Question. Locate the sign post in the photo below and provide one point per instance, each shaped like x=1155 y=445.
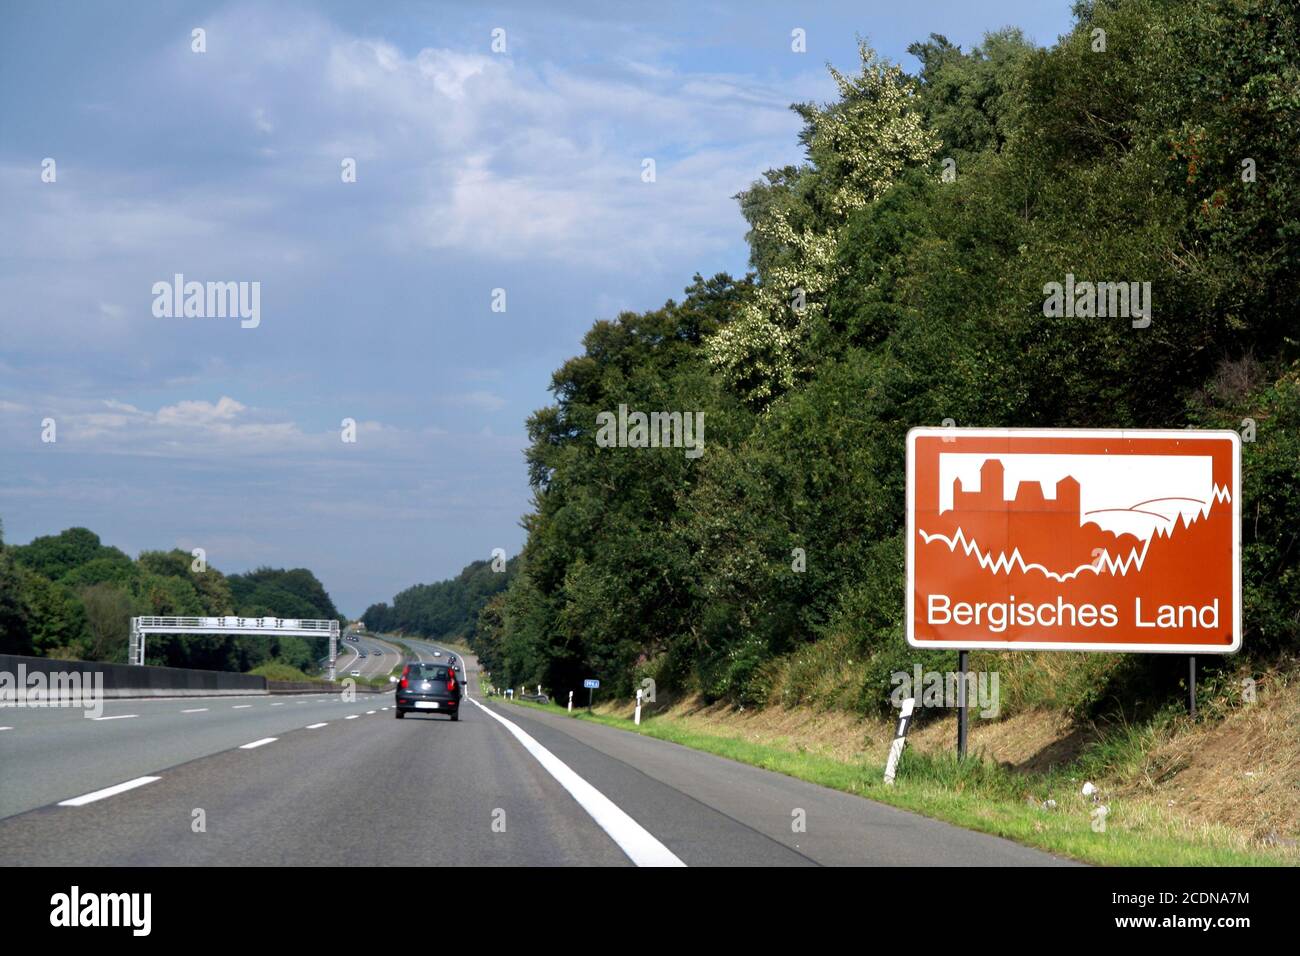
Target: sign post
x=591 y=684
x=963 y=713
x=1110 y=541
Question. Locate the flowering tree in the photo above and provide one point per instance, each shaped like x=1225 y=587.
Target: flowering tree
x=857 y=147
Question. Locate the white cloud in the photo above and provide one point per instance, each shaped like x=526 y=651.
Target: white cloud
x=200 y=413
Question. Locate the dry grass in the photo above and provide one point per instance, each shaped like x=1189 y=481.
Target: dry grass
x=1240 y=772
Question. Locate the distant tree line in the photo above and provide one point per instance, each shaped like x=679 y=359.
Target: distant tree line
x=70 y=596
x=899 y=278
x=445 y=610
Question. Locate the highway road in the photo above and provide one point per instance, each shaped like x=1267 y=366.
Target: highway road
x=319 y=780
x=381 y=657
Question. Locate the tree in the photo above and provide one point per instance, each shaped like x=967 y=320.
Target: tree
x=857 y=148
x=108 y=621
x=15 y=638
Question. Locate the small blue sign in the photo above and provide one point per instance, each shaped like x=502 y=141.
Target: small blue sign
x=589 y=682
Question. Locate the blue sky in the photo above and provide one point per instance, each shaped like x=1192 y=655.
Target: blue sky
x=476 y=170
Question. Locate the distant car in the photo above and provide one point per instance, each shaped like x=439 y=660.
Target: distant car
x=427 y=687
x=437 y=653
x=356 y=673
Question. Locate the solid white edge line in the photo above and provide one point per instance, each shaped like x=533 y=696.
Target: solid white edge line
x=315 y=726
x=107 y=792
x=259 y=743
x=633 y=839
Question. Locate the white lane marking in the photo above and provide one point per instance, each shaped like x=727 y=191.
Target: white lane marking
x=195 y=710
x=241 y=706
x=86 y=798
x=633 y=839
x=10 y=728
x=280 y=704
x=351 y=716
x=315 y=726
x=259 y=743
x=115 y=717
x=370 y=712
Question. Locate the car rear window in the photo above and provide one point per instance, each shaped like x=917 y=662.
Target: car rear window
x=427 y=672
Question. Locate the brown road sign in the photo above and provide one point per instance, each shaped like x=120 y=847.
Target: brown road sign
x=1076 y=540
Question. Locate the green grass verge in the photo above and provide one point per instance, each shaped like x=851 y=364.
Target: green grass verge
x=276 y=670
x=981 y=795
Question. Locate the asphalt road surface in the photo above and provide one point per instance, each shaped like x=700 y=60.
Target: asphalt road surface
x=381 y=657
x=321 y=780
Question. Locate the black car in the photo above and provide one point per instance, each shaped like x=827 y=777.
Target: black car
x=428 y=688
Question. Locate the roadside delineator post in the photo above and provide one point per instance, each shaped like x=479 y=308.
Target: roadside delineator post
x=638 y=707
x=963 y=715
x=900 y=738
x=570 y=701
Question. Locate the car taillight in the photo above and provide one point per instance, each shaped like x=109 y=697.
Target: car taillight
x=451 y=683
x=406 y=670
x=402 y=683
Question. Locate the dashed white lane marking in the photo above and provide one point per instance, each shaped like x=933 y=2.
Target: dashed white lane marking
x=240 y=706
x=107 y=792
x=316 y=726
x=351 y=716
x=370 y=712
x=259 y=743
x=279 y=704
x=195 y=710
x=633 y=839
x=116 y=717
x=6 y=728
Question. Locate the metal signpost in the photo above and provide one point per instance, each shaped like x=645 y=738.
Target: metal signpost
x=591 y=684
x=263 y=626
x=1073 y=540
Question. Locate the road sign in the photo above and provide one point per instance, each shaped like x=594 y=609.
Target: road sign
x=589 y=682
x=1060 y=539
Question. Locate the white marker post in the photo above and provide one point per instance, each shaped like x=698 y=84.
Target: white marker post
x=900 y=738
x=570 y=701
x=638 y=707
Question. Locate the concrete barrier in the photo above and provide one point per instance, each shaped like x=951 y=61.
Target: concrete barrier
x=126 y=680
x=317 y=686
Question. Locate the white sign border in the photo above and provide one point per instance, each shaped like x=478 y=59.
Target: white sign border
x=1118 y=434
